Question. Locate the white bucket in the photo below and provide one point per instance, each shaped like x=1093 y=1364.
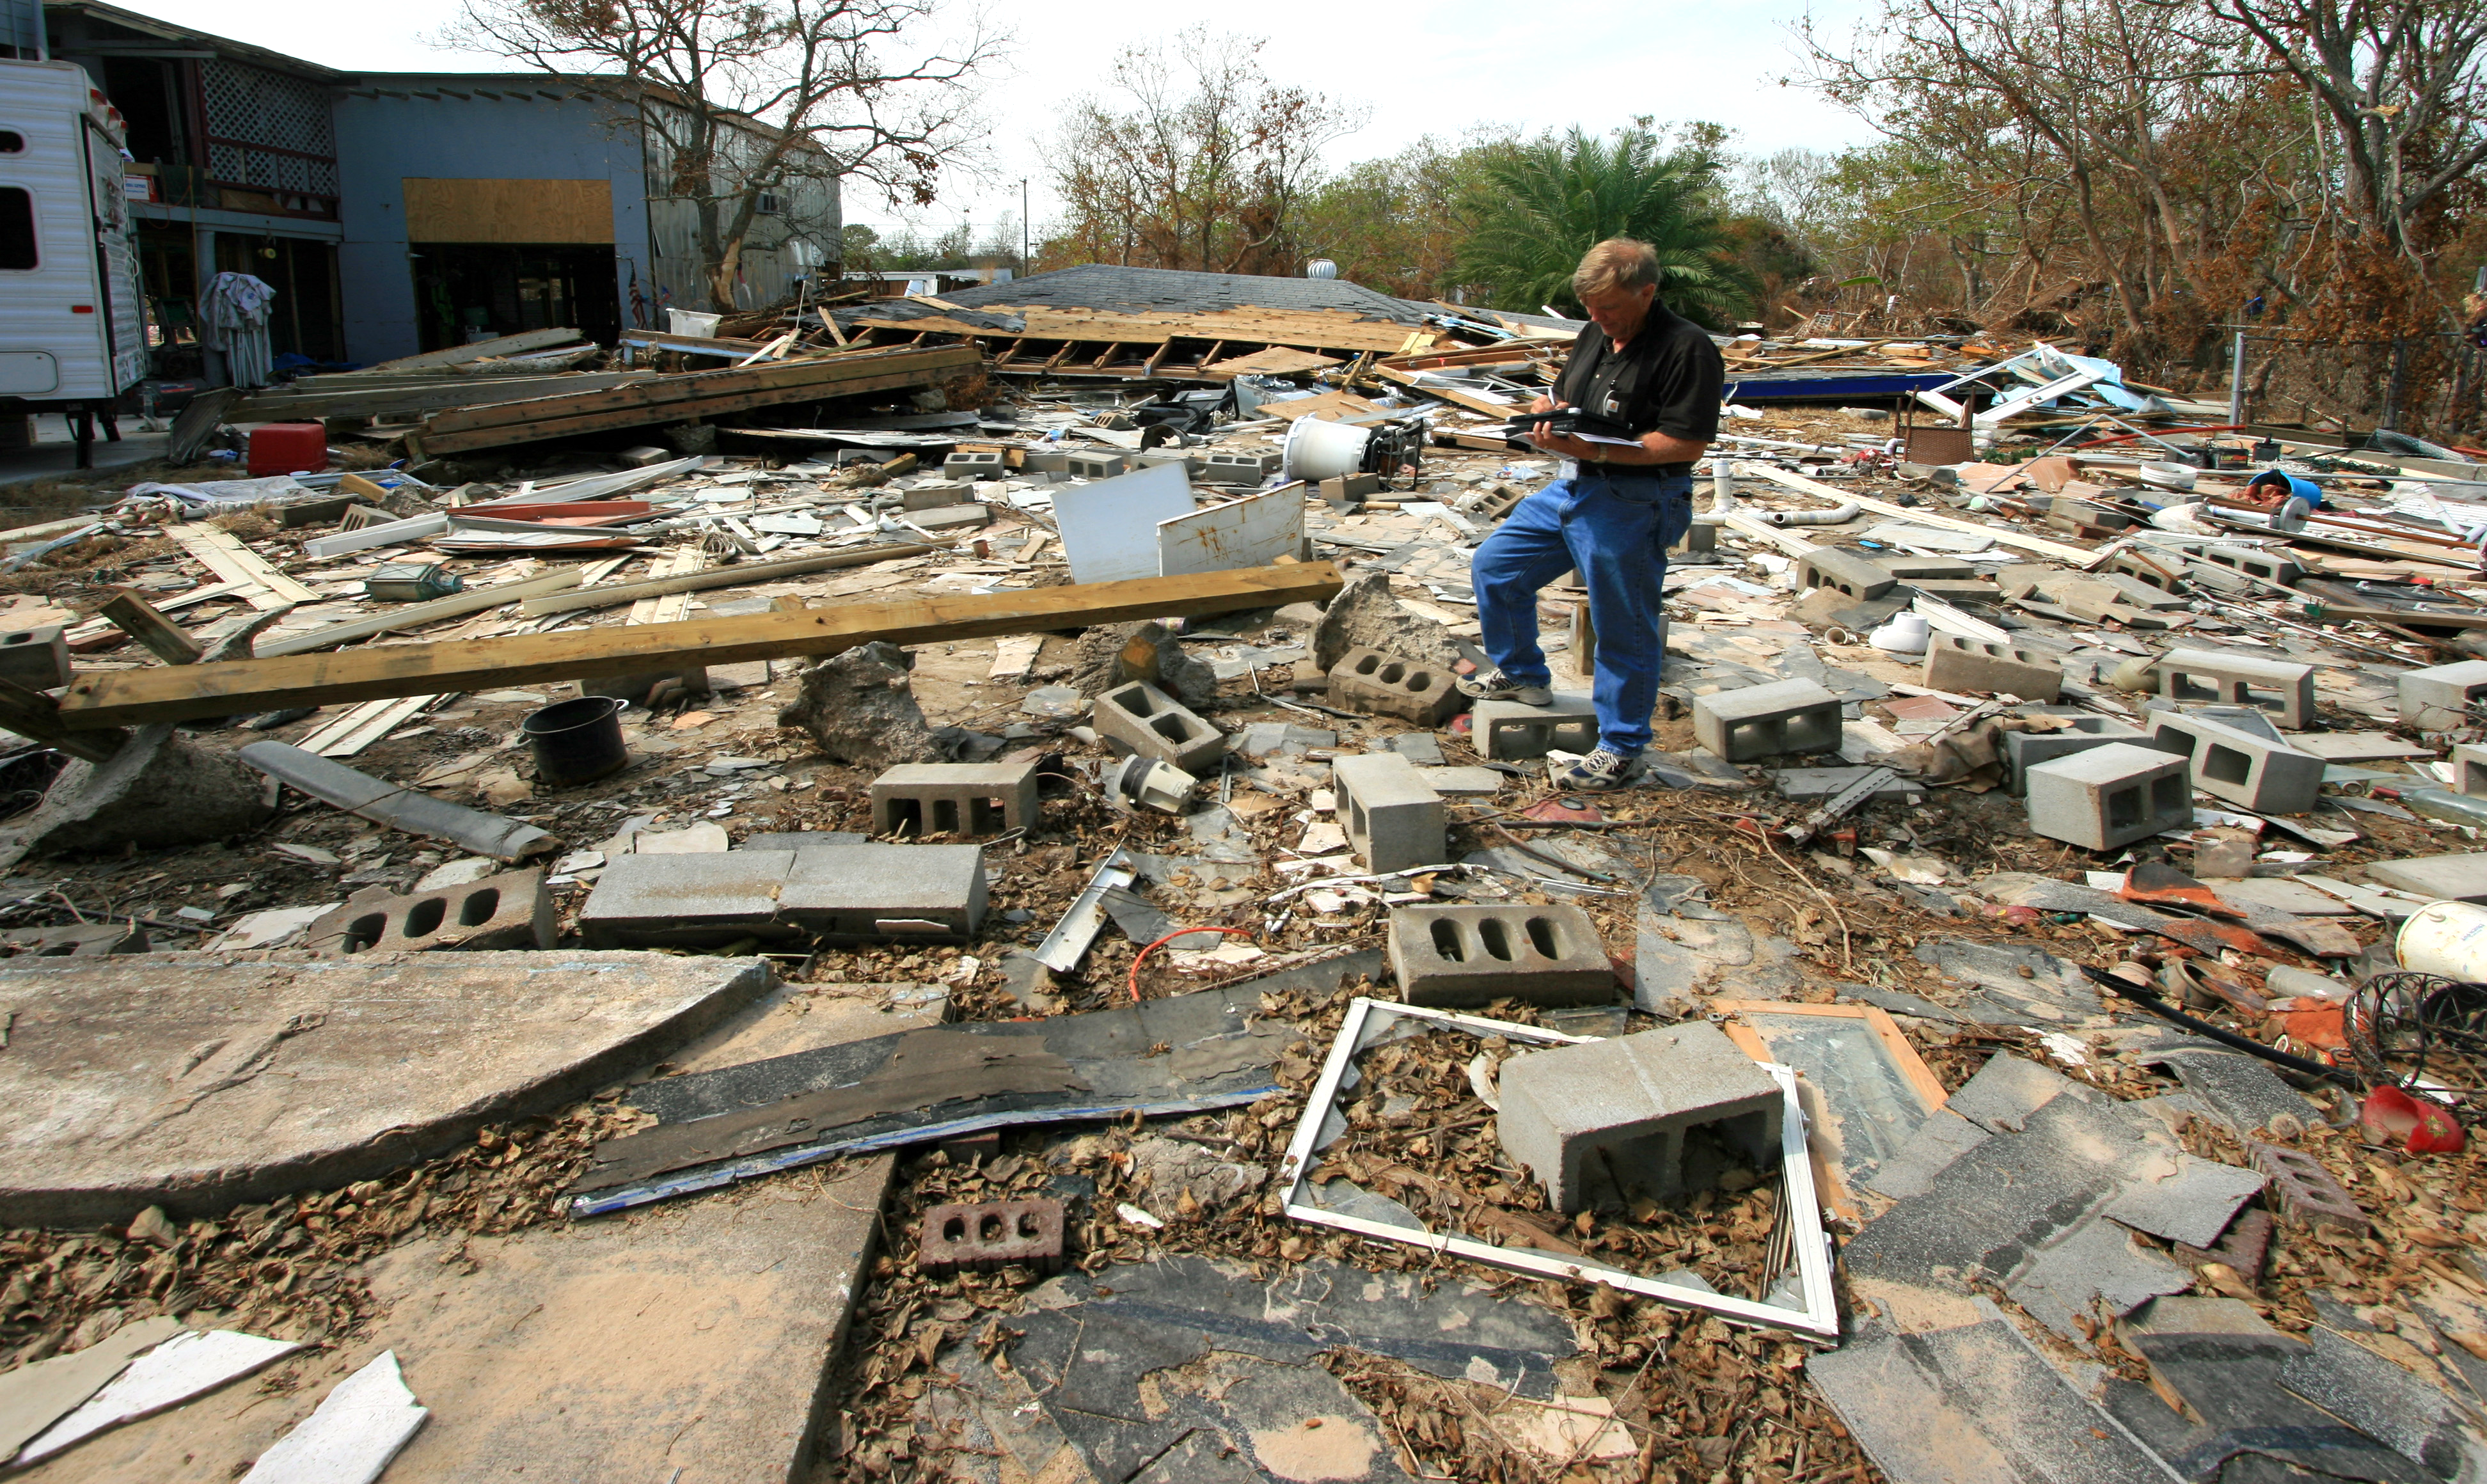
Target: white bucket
x=2447 y=938
x=1318 y=449
x=1904 y=635
x=689 y=322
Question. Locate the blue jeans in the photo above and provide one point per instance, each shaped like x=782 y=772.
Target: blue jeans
x=1615 y=532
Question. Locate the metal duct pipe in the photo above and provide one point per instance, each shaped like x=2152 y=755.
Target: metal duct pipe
x=1841 y=515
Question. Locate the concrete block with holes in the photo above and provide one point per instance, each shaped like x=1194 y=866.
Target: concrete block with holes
x=1956 y=663
x=37 y=658
x=2231 y=762
x=2281 y=687
x=1844 y=571
x=2024 y=750
x=1475 y=955
x=1388 y=686
x=2111 y=795
x=1232 y=468
x=954 y=798
x=1759 y=721
x=2252 y=562
x=991 y=1235
x=2469 y=763
x=512 y=910
x=1662 y=1110
x=1391 y=817
x=1095 y=465
x=1506 y=731
x=2440 y=699
x=973 y=464
x=1140 y=719
x=936 y=494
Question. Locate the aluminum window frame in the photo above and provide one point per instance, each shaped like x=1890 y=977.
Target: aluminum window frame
x=1366 y=1022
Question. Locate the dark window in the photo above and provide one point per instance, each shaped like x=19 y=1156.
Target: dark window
x=17 y=228
x=12 y=142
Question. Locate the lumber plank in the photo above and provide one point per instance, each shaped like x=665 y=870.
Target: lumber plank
x=483 y=350
x=113 y=698
x=33 y=715
x=701 y=385
x=1451 y=394
x=738 y=576
x=416 y=615
x=145 y=623
x=433 y=395
x=2074 y=556
x=222 y=552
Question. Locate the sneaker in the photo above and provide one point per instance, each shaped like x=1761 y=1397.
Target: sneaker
x=1494 y=685
x=1600 y=770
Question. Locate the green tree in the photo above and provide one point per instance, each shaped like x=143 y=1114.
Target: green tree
x=1554 y=197
x=1397 y=223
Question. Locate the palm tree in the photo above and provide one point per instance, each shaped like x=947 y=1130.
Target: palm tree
x=1548 y=201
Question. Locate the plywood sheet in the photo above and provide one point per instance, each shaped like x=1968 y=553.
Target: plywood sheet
x=491 y=211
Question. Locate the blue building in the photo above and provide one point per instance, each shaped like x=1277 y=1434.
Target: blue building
x=397 y=213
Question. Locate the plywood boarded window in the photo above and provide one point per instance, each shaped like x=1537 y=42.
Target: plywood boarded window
x=508 y=211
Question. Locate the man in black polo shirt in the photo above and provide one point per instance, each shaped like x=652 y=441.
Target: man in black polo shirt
x=1612 y=513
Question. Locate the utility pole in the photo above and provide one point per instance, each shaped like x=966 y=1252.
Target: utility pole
x=2237 y=380
x=1023 y=263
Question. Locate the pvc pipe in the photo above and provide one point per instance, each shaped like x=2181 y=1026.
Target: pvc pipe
x=1839 y=516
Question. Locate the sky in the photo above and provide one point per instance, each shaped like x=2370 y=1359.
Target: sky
x=1422 y=67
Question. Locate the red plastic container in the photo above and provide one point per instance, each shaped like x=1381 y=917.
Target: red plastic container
x=288 y=448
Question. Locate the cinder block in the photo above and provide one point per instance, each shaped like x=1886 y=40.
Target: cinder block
x=1391 y=818
x=2284 y=687
x=2233 y=763
x=933 y=493
x=1844 y=571
x=2110 y=796
x=1147 y=721
x=37 y=658
x=2166 y=576
x=944 y=517
x=1238 y=468
x=1094 y=466
x=1957 y=663
x=1506 y=731
x=2309 y=1195
x=512 y=910
x=996 y=1234
x=2278 y=570
x=1044 y=460
x=700 y=900
x=1474 y=955
x=955 y=799
x=973 y=465
x=2439 y=699
x=1388 y=686
x=1348 y=491
x=2024 y=750
x=2140 y=593
x=1572 y=1113
x=1759 y=721
x=858 y=893
x=2469 y=769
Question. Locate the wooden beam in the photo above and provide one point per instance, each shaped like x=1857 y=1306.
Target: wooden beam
x=1451 y=394
x=112 y=698
x=33 y=715
x=558 y=417
x=483 y=350
x=142 y=620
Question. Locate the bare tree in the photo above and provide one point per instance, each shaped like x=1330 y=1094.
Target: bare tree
x=740 y=102
x=1205 y=166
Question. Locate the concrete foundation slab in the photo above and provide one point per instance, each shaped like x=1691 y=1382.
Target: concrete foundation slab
x=2461 y=878
x=199 y=1082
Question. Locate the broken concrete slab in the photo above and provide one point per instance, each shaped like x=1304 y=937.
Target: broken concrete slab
x=198 y=1082
x=859 y=706
x=611 y=1347
x=158 y=791
x=1114 y=655
x=1365 y=615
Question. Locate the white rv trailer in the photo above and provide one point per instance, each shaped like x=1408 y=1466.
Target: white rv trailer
x=73 y=315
